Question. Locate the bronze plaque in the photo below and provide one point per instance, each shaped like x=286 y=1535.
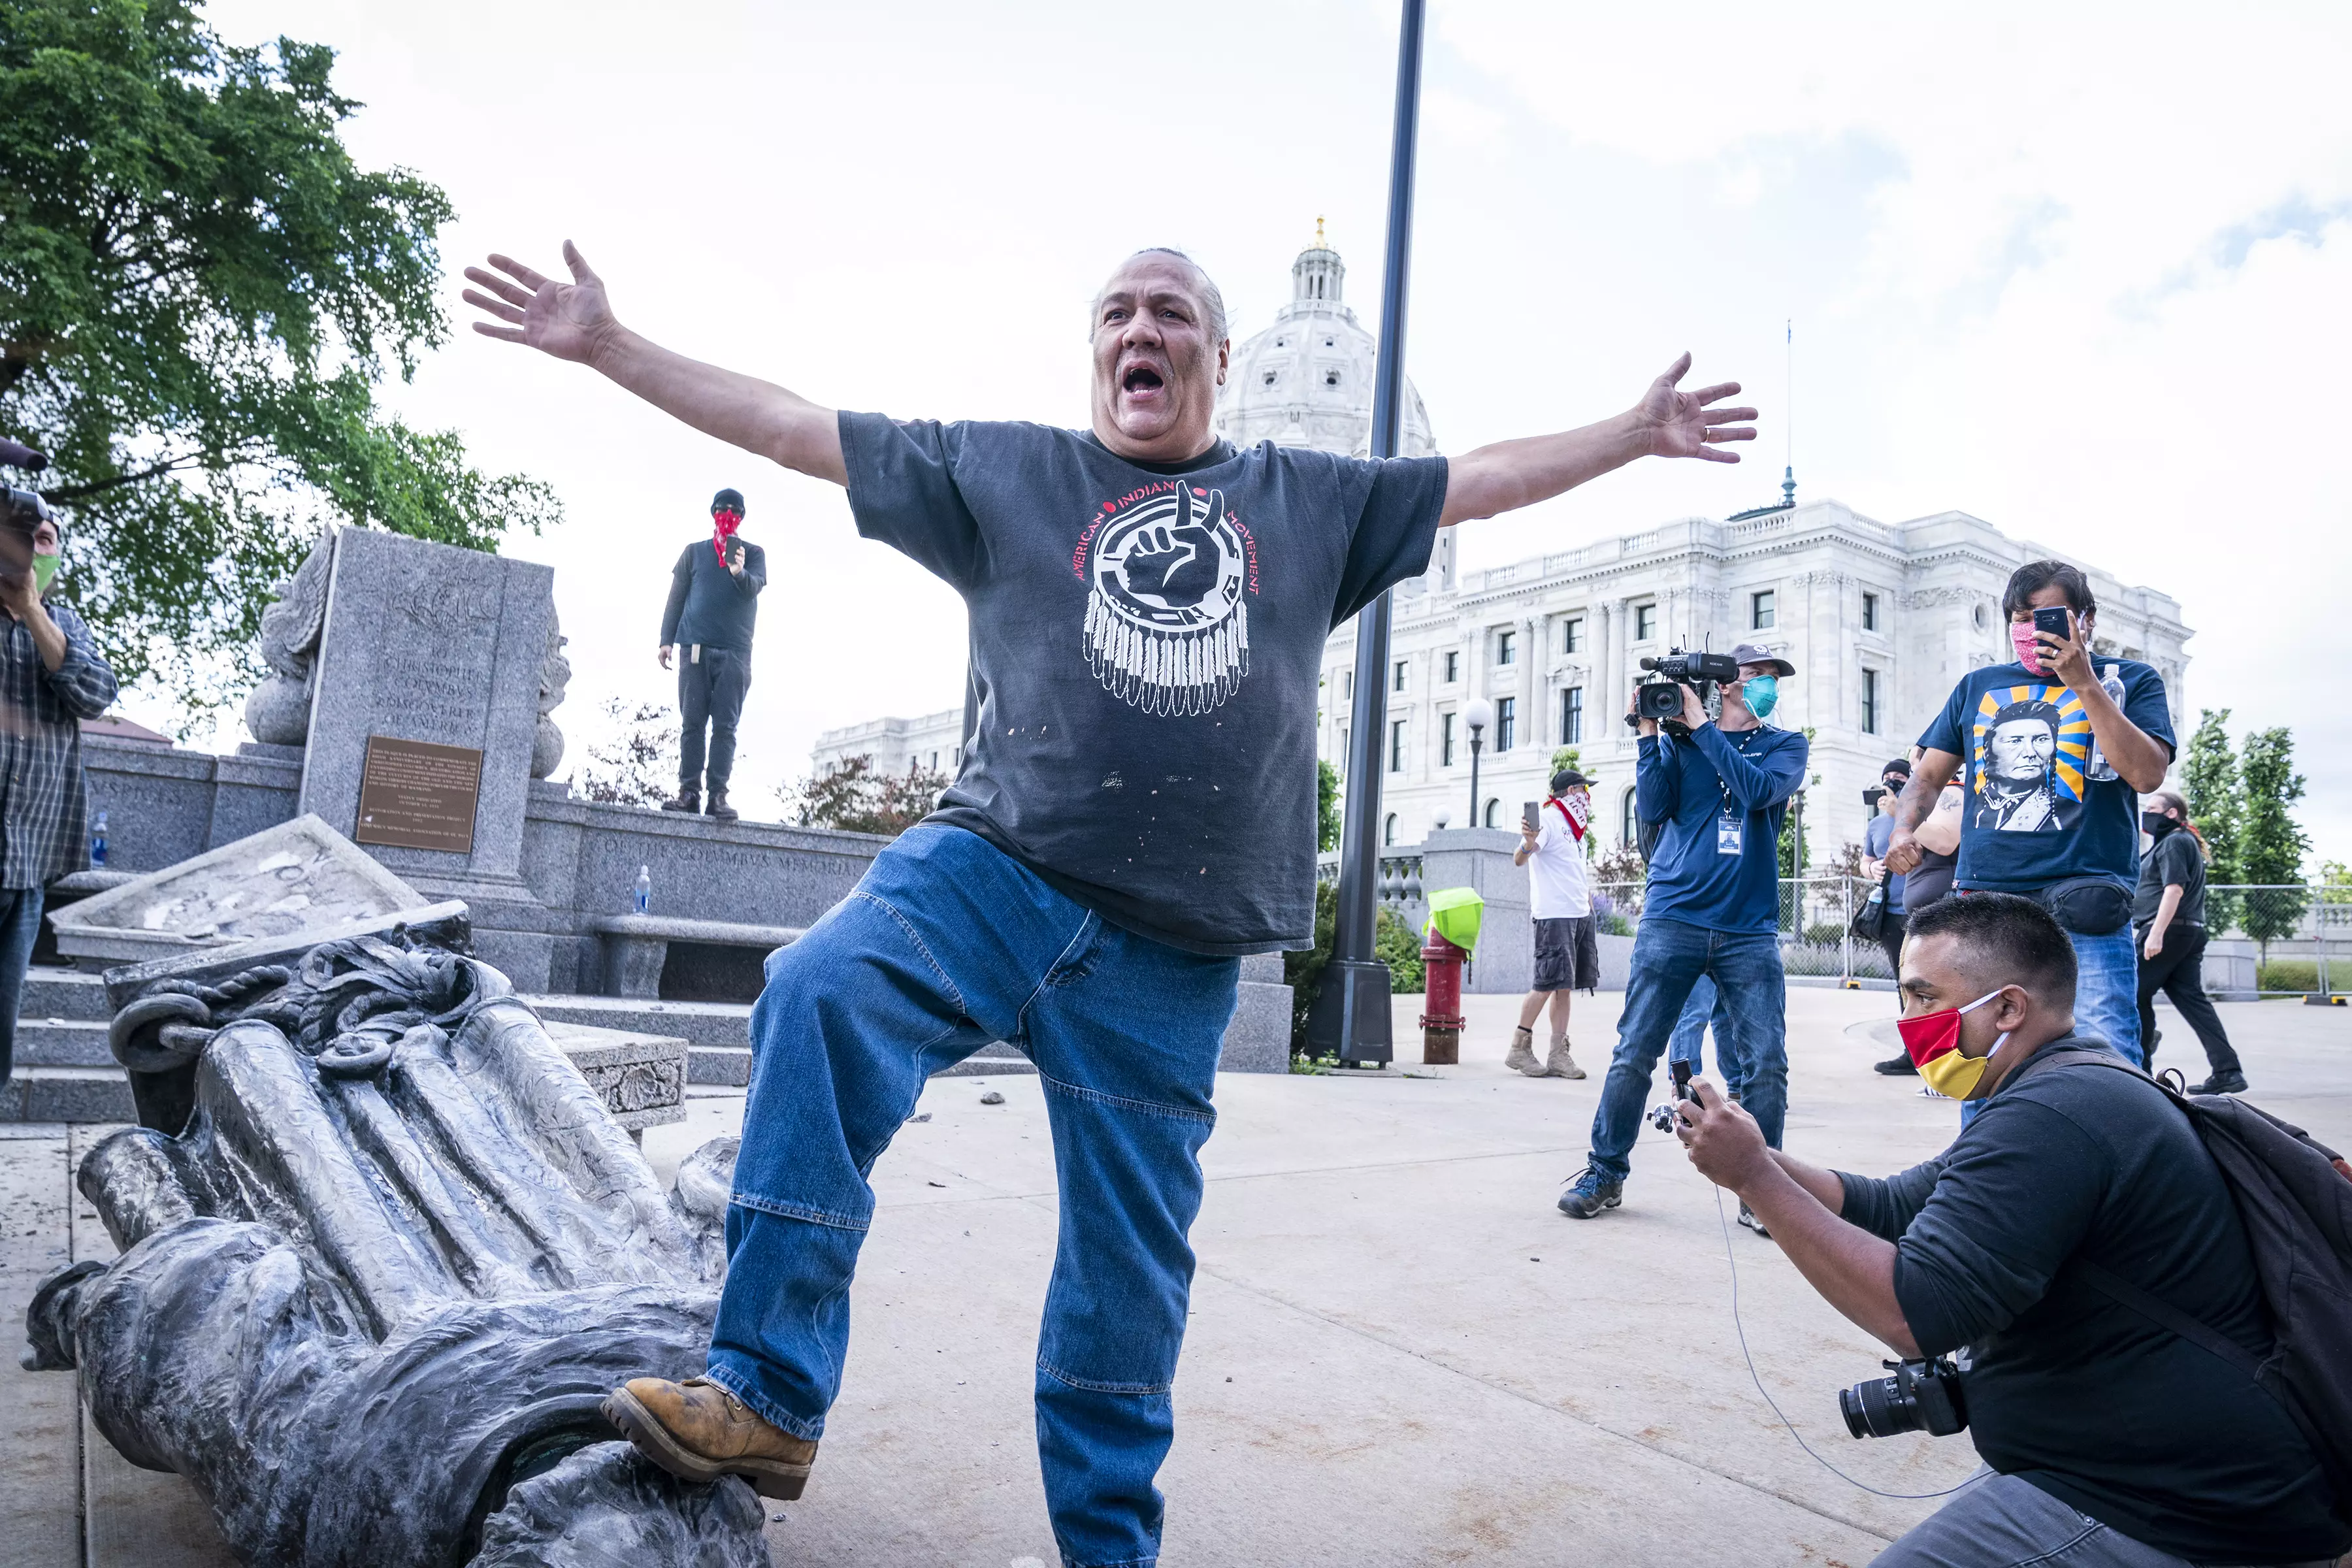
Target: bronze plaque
x=418 y=795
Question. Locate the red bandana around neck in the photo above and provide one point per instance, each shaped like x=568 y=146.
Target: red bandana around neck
x=724 y=525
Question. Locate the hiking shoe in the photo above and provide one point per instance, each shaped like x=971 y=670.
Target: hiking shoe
x=1559 y=1064
x=1896 y=1067
x=1522 y=1055
x=2220 y=1083
x=719 y=808
x=1748 y=1217
x=698 y=1432
x=688 y=800
x=1590 y=1192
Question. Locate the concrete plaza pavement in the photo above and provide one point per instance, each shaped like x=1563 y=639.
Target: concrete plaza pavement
x=1401 y=1352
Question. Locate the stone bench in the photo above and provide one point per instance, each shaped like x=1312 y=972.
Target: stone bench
x=637 y=950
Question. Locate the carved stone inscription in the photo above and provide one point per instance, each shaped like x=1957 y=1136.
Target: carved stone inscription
x=418 y=795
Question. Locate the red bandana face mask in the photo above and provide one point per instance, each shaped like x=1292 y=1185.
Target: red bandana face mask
x=1575 y=810
x=724 y=525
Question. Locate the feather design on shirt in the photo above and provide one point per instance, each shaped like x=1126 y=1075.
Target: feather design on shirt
x=1166 y=627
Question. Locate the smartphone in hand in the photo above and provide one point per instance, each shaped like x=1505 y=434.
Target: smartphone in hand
x=2057 y=622
x=1531 y=813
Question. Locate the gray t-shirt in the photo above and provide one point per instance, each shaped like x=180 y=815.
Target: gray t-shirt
x=2175 y=859
x=1147 y=645
x=1875 y=839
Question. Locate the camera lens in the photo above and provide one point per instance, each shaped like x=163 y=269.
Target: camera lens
x=1880 y=1408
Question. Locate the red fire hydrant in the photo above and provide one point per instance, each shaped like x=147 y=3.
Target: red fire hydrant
x=1441 y=1025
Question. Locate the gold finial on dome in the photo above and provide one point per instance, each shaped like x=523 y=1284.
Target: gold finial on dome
x=1318 y=235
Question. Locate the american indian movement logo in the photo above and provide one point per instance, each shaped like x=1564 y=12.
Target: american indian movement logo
x=1169 y=574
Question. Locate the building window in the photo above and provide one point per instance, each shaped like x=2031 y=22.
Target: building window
x=1759 y=610
x=1870 y=702
x=1571 y=715
x=1342 y=765
x=1347 y=685
x=1446 y=739
x=1572 y=634
x=1494 y=811
x=1506 y=715
x=1627 y=831
x=1453 y=668
x=1645 y=622
x=1331 y=378
x=1505 y=646
x=1388 y=829
x=1870 y=612
x=1396 y=745
x=1396 y=676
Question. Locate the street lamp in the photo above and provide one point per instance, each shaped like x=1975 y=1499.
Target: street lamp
x=1477 y=714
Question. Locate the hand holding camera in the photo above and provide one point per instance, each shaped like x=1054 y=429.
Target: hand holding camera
x=1677 y=698
x=1723 y=1140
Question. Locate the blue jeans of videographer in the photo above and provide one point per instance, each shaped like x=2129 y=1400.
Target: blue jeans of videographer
x=1689 y=1043
x=1669 y=958
x=945 y=945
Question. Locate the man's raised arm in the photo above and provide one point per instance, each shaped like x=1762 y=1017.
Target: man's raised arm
x=1666 y=423
x=575 y=321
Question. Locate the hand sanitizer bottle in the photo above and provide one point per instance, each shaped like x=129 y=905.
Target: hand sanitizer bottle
x=98 y=841
x=2111 y=681
x=642 y=898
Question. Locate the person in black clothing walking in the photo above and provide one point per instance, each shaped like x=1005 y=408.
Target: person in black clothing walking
x=714 y=596
x=2169 y=917
x=1939 y=855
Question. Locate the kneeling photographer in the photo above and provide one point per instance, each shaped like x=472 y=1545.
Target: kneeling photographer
x=2116 y=1442
x=1717 y=790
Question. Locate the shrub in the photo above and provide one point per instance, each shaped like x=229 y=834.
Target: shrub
x=1393 y=942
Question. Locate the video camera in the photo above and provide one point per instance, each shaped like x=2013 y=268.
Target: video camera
x=1922 y=1396
x=1661 y=701
x=21 y=511
x=1663 y=1117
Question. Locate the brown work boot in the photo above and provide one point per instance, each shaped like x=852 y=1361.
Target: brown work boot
x=689 y=799
x=698 y=1432
x=1522 y=1056
x=718 y=807
x=1560 y=1064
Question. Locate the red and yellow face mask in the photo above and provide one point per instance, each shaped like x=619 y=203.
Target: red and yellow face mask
x=1934 y=1041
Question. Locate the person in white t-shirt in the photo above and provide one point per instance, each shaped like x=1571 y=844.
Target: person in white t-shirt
x=1561 y=899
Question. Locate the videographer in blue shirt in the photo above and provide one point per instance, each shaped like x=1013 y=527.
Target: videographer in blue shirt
x=2058 y=748
x=1712 y=909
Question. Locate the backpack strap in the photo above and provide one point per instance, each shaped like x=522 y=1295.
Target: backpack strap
x=2147 y=1304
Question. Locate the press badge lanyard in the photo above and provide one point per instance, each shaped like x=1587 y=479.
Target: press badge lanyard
x=1731 y=827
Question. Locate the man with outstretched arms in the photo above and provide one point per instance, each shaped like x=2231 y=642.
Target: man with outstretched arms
x=1148 y=611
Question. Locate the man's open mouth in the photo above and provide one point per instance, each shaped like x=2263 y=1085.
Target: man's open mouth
x=1141 y=378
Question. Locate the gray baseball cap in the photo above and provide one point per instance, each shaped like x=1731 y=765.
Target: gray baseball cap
x=1757 y=653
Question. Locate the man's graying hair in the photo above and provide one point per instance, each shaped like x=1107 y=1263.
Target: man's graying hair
x=1209 y=297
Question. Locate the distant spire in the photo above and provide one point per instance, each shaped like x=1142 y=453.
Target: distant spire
x=1789 y=415
x=1318 y=233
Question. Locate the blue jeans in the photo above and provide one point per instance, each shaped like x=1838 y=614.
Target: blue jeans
x=1689 y=1043
x=2106 y=998
x=1669 y=957
x=946 y=944
x=20 y=927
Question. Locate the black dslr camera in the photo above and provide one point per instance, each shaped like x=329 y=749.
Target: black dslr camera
x=1922 y=1396
x=1663 y=1117
x=1661 y=701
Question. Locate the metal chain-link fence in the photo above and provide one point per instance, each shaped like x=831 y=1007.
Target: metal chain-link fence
x=2275 y=941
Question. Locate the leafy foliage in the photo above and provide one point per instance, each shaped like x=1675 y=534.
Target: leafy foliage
x=639 y=765
x=2208 y=776
x=1327 y=806
x=2271 y=843
x=854 y=796
x=1391 y=938
x=1564 y=757
x=199 y=292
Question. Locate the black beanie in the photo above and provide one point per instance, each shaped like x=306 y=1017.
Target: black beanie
x=729 y=501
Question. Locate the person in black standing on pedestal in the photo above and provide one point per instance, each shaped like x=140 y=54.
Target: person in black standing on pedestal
x=714 y=596
x=2169 y=917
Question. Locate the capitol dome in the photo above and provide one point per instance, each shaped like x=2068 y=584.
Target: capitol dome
x=1307 y=381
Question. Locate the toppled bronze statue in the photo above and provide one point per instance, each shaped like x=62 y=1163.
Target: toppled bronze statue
x=384 y=1253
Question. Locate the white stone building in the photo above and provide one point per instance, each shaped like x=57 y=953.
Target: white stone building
x=1879 y=619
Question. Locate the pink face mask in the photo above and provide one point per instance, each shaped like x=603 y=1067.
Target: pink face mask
x=2029 y=648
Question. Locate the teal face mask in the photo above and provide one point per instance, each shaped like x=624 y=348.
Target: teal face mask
x=1761 y=692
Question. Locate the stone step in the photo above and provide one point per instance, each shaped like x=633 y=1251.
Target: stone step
x=67 y=1094
x=719 y=1024
x=61 y=1043
x=730 y=1066
x=64 y=994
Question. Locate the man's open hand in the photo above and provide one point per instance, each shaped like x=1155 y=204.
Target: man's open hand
x=566 y=320
x=1723 y=1140
x=1681 y=424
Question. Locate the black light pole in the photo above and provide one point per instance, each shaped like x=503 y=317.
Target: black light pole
x=1351 y=1016
x=1479 y=714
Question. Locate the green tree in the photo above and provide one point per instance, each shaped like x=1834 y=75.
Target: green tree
x=1564 y=757
x=2209 y=777
x=1796 y=854
x=2271 y=843
x=1327 y=806
x=854 y=796
x=199 y=292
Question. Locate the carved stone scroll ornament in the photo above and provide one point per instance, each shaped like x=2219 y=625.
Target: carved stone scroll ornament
x=278 y=709
x=554 y=675
x=379 y=1263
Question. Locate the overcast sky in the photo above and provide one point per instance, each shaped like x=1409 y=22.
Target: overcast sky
x=2082 y=271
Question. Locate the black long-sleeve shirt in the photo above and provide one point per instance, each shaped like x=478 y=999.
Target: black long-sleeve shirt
x=709 y=604
x=2072 y=1391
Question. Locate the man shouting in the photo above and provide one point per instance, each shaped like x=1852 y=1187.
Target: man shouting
x=1136 y=812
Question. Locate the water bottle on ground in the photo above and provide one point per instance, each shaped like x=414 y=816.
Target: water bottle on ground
x=98 y=842
x=641 y=898
x=2111 y=681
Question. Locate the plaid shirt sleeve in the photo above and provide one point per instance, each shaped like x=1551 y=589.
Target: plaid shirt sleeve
x=43 y=822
